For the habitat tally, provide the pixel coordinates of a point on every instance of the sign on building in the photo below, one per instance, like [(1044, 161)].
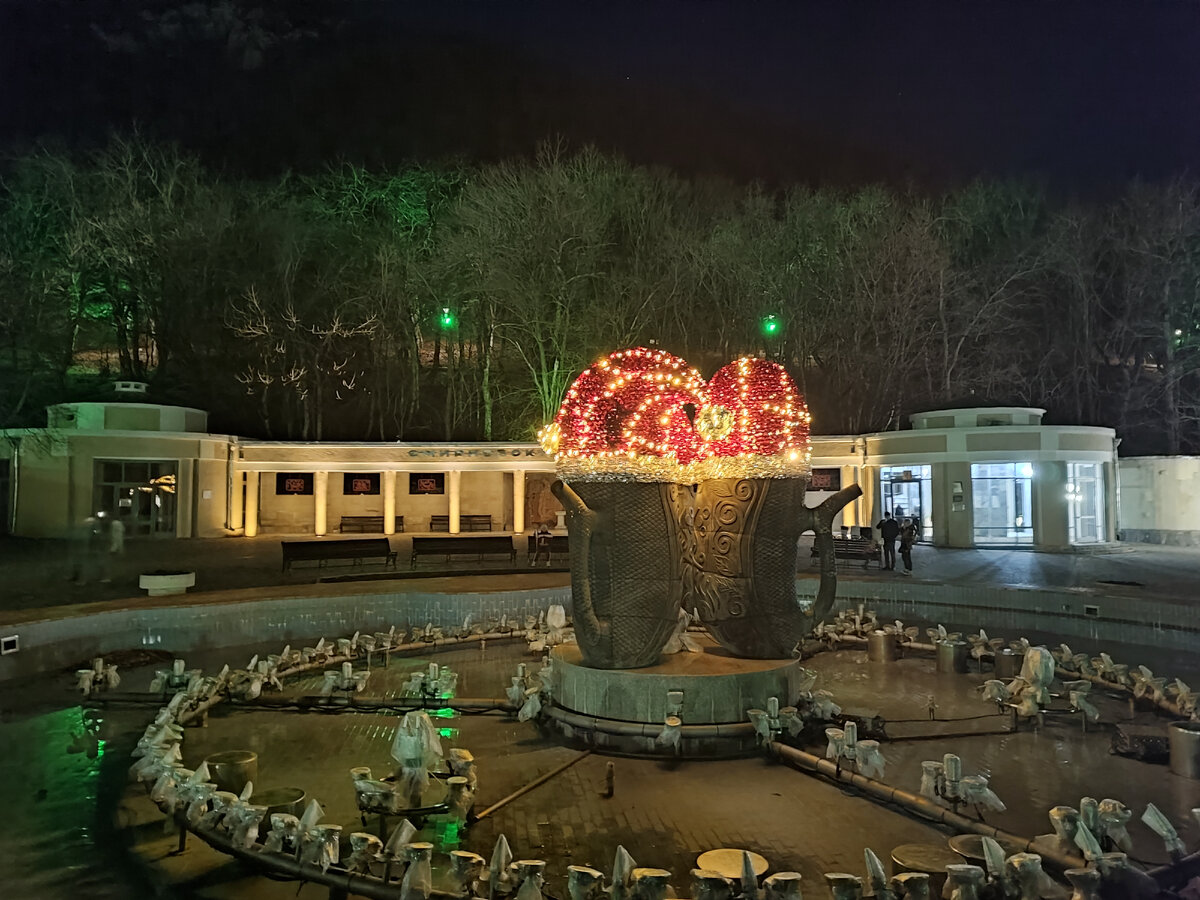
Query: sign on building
[(293, 482), (427, 482), (825, 480), (360, 483)]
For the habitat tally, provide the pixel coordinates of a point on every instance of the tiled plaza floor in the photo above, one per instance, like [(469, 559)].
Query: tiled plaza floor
[(36, 573)]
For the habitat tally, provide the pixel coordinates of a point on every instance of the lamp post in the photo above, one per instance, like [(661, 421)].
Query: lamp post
[(772, 329)]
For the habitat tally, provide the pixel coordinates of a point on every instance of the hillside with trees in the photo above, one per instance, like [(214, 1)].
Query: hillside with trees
[(455, 301)]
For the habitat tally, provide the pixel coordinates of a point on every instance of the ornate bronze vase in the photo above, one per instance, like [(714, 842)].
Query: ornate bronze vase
[(742, 562), (625, 579)]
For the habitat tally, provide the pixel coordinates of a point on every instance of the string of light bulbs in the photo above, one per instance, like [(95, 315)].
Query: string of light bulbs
[(645, 415)]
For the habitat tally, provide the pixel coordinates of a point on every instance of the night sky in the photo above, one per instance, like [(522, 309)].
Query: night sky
[(1082, 96)]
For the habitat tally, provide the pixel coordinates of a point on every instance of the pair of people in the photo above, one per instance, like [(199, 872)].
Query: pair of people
[(96, 541), (890, 530)]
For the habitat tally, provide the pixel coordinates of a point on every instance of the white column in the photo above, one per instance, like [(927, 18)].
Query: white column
[(185, 498), (236, 513), (389, 502), (320, 499), (251, 520), (518, 500), (455, 478)]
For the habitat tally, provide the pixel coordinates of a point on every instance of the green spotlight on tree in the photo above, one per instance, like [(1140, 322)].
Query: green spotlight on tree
[(447, 320), (771, 326)]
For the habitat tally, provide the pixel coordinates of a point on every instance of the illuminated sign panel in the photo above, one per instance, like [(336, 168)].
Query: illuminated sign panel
[(427, 482), (360, 483), (825, 480), (293, 482)]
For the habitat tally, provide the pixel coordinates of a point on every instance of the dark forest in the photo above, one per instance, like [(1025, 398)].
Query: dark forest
[(400, 243)]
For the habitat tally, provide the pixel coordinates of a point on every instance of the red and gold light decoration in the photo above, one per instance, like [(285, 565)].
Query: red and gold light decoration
[(757, 424), (626, 418), (629, 417)]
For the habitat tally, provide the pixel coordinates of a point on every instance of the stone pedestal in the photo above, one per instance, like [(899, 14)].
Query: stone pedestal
[(162, 584), (625, 710)]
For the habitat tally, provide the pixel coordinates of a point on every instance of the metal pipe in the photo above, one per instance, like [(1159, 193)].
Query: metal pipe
[(188, 715), (641, 729), (862, 641), (1064, 673), (1178, 873), (353, 704), (520, 792), (278, 865), (1163, 704), (1068, 674), (922, 806)]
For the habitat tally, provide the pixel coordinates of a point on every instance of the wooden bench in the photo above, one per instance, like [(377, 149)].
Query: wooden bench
[(855, 550), (465, 523), (367, 523), (463, 546), (558, 545), (354, 551)]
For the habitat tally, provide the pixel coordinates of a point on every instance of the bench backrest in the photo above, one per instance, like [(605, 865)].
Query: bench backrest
[(852, 544), (350, 549), (558, 543), (494, 544), (442, 523)]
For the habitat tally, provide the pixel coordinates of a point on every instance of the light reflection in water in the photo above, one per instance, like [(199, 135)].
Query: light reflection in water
[(59, 787)]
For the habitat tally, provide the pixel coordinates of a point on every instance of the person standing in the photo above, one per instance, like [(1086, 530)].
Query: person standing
[(104, 544), (908, 537), (889, 530), (84, 541), (116, 540)]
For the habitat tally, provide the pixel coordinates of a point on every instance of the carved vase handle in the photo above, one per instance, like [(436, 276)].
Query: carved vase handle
[(819, 519), (586, 521)]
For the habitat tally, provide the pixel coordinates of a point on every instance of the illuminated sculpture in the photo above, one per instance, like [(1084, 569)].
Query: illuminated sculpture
[(749, 512), (635, 433), (621, 438)]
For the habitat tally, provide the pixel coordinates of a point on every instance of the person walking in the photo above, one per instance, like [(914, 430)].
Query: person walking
[(106, 544), (908, 537), (116, 536), (115, 548), (889, 530)]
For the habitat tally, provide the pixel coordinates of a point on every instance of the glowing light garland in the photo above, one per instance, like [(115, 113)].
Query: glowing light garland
[(629, 417), (769, 437)]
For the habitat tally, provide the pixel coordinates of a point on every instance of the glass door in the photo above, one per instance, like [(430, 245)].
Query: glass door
[(140, 493), (907, 495), (1085, 499), (1003, 503)]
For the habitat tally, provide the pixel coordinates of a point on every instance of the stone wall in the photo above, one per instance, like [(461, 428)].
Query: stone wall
[(1013, 612), (53, 644), (1160, 500)]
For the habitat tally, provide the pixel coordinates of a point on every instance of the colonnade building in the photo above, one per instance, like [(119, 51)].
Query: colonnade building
[(971, 477)]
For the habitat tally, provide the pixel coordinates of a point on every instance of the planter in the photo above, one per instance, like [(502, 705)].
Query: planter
[(160, 584)]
